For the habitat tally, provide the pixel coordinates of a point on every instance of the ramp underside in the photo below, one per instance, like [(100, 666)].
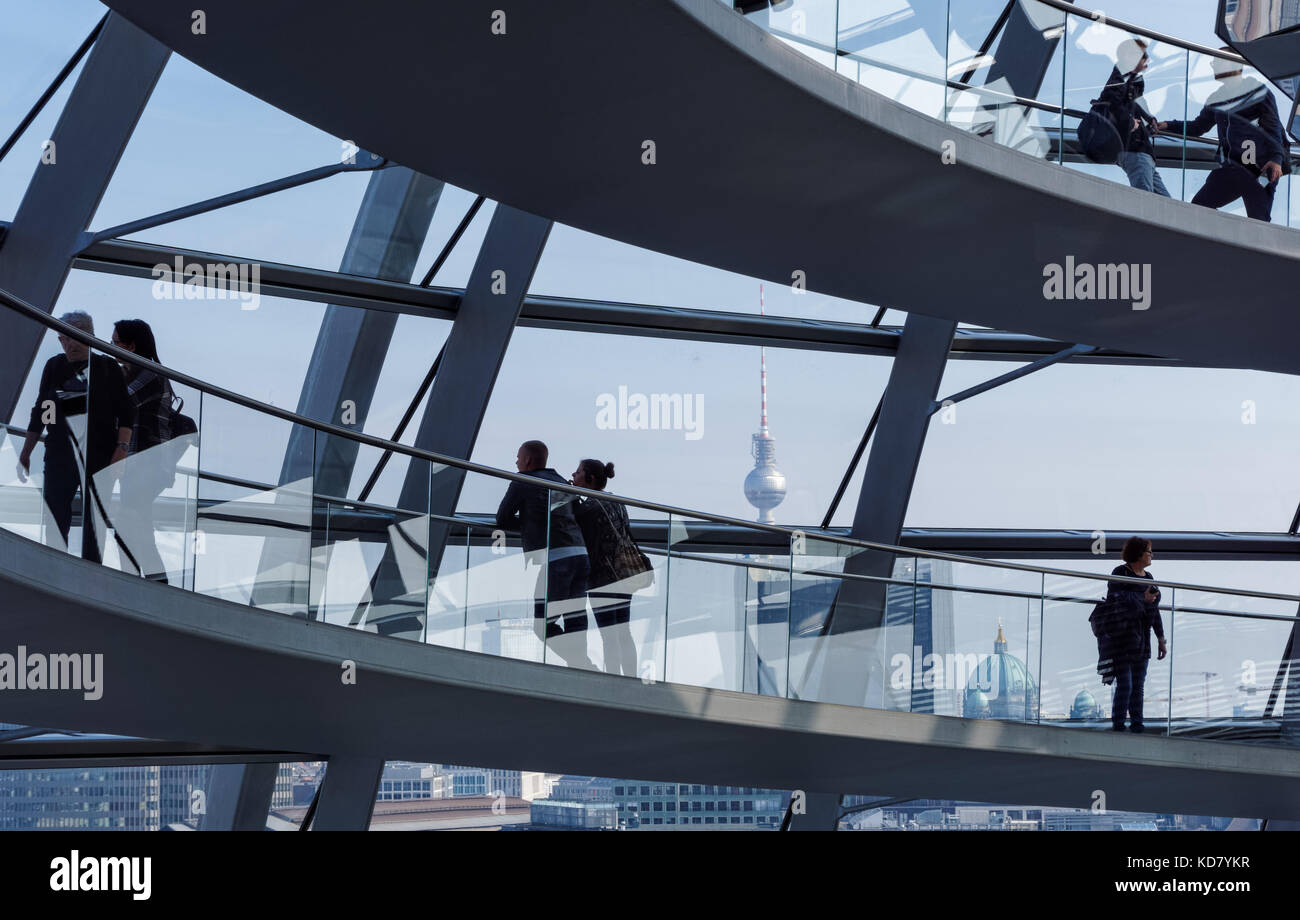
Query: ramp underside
[(765, 163)]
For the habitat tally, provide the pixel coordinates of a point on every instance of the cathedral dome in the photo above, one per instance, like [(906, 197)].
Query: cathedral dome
[(1001, 687)]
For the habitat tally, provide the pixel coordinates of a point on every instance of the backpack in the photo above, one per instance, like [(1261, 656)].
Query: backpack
[(1100, 137), (180, 426), (1103, 133)]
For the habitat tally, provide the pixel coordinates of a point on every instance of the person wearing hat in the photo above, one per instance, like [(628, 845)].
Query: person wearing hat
[(1123, 91), (1253, 152)]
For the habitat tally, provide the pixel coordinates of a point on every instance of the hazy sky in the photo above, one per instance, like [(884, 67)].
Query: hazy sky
[(1075, 446)]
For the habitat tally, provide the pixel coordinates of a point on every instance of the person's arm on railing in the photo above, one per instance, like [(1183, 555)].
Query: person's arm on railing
[(1194, 128), (508, 514)]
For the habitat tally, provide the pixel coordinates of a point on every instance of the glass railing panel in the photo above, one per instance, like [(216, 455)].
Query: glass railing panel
[(1072, 692), (448, 571), (707, 613), (504, 582), (22, 502), (1004, 64), (766, 665), (976, 641), (1233, 668), (1099, 56), (370, 557), (808, 26), (626, 601), (896, 49), (145, 503), (851, 617), (923, 93), (253, 534)]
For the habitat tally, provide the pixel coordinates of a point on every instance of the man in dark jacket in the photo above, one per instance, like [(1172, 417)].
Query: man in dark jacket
[(562, 583), (1253, 152), (1122, 91), (76, 389)]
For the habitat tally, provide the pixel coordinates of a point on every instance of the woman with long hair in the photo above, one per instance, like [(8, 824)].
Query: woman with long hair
[(148, 472)]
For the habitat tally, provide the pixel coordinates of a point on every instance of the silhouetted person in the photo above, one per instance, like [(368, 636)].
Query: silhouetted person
[(1135, 612), (1253, 152), (147, 471), (79, 384), (1122, 91), (606, 529), (562, 583)]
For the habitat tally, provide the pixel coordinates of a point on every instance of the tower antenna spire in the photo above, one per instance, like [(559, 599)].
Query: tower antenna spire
[(764, 486), (762, 366)]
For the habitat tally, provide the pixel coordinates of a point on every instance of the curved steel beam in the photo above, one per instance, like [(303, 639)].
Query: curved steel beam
[(765, 163)]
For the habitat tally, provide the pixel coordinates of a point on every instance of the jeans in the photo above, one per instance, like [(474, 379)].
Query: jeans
[(1142, 173), (1228, 183), (1130, 676)]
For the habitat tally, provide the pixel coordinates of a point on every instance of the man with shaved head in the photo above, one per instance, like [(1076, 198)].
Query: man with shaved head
[(550, 534)]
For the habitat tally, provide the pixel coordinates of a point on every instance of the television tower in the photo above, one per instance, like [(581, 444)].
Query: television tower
[(765, 485)]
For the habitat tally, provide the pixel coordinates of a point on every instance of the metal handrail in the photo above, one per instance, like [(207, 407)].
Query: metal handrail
[(864, 57), (1099, 16), (18, 305)]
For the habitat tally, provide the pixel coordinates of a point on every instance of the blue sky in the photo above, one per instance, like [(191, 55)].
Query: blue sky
[(1075, 446)]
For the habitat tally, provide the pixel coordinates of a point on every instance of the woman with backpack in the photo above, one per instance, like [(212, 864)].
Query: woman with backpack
[(147, 472), (613, 554), (1124, 642)]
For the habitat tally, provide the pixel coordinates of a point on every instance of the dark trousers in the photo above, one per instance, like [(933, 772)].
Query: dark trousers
[(62, 485), (566, 582), (1130, 678), (1228, 183)]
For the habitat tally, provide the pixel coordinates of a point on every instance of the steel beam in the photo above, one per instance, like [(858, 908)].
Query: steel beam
[(238, 797), (347, 795), (472, 358), (135, 259), (352, 345), (820, 812), (92, 132), (848, 662)]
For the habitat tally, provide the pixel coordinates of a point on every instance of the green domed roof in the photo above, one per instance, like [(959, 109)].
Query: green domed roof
[(1085, 706), (1002, 685)]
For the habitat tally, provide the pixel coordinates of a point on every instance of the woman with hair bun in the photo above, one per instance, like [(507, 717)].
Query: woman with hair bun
[(605, 529)]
